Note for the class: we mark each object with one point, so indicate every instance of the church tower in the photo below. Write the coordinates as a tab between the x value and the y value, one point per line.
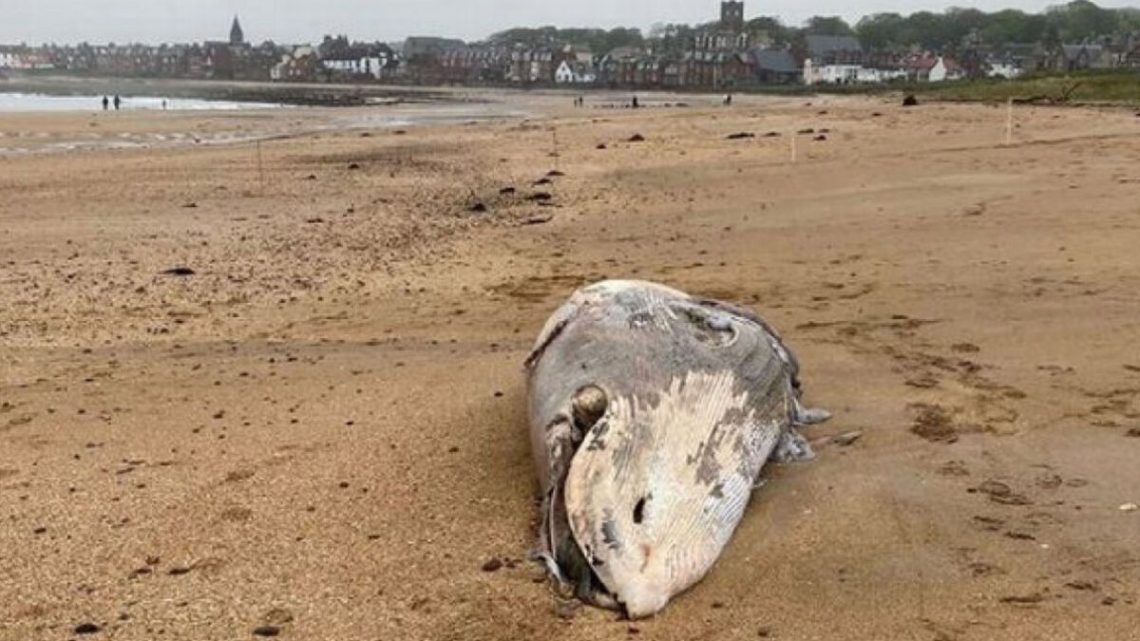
237	36
732	16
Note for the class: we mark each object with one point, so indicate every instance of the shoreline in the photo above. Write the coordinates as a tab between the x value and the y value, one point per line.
351	95
1104	89
296	94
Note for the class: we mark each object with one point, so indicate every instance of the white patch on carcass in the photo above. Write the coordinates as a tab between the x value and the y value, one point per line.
693	459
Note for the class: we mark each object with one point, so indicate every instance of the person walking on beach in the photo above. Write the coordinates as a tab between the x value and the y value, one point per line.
118	102
106	103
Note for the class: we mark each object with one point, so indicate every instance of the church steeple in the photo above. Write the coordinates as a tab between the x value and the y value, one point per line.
732	16
237	36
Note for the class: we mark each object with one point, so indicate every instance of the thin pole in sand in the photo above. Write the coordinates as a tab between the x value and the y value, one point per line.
554	153
260	169
1009	124
793	147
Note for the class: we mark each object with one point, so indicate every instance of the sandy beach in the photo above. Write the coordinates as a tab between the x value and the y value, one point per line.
275	383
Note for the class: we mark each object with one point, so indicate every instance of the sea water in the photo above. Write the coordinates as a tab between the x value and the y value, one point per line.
30	102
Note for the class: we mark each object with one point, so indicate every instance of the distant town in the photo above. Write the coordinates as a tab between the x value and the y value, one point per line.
731	52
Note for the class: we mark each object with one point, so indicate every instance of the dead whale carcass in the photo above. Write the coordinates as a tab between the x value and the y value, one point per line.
652	413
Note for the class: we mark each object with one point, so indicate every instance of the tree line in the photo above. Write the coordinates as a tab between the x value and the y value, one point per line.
1076	22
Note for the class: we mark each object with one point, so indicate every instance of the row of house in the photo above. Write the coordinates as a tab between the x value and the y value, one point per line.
22	59
232	59
842	60
719	56
724	54
336	58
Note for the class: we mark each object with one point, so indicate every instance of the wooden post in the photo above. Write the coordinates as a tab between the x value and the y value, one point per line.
793	147
1009	124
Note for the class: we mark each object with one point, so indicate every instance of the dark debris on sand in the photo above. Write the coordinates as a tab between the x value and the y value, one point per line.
538	220
933	423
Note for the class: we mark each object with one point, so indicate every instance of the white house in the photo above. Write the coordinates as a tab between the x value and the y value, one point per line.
849	74
944	70
864	75
564	75
928	68
9	59
292	65
12	58
831	74
576	72
875	76
280	71
1007	70
365	66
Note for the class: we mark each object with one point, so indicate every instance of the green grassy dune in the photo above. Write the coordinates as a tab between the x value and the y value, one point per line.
1115	87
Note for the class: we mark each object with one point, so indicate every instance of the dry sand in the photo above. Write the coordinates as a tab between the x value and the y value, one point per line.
323	428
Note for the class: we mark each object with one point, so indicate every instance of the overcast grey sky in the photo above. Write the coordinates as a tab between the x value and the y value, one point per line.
295	21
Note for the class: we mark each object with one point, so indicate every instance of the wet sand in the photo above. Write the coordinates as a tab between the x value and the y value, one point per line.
320	431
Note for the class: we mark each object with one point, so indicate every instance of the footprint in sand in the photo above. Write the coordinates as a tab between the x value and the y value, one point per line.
237	515
989	523
238	476
981	569
933	423
1001	493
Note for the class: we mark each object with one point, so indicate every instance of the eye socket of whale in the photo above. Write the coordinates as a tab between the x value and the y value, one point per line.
588	407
